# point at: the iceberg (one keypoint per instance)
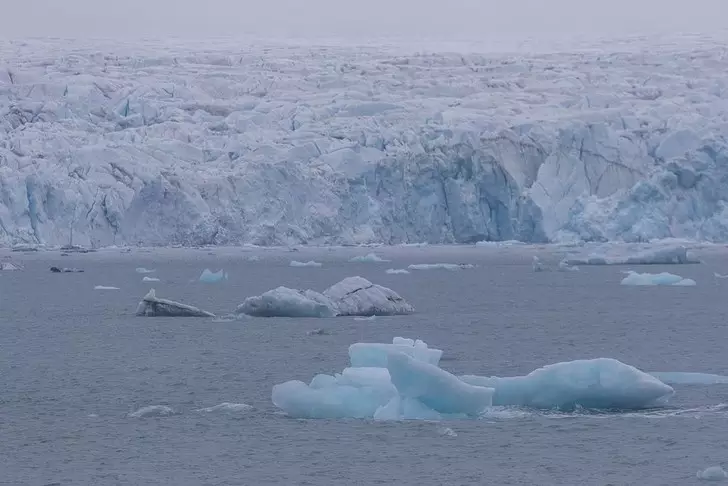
(403, 380)
(368, 258)
(396, 271)
(357, 296)
(664, 278)
(713, 473)
(353, 296)
(309, 263)
(144, 270)
(285, 302)
(440, 266)
(656, 256)
(105, 287)
(151, 306)
(9, 266)
(150, 279)
(212, 277)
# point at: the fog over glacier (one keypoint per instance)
(361, 122)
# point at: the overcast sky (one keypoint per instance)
(356, 19)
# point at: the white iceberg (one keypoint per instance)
(663, 279)
(402, 380)
(310, 263)
(144, 270)
(285, 302)
(396, 271)
(357, 296)
(150, 279)
(105, 287)
(9, 266)
(368, 258)
(213, 277)
(656, 256)
(151, 306)
(713, 473)
(440, 266)
(537, 265)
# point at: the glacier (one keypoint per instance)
(131, 143)
(403, 380)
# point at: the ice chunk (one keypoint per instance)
(655, 256)
(664, 278)
(150, 279)
(104, 287)
(153, 411)
(537, 265)
(713, 473)
(717, 275)
(375, 354)
(565, 267)
(601, 383)
(684, 378)
(368, 258)
(310, 263)
(151, 306)
(65, 270)
(357, 296)
(227, 407)
(213, 277)
(144, 270)
(436, 388)
(285, 302)
(440, 266)
(396, 271)
(10, 266)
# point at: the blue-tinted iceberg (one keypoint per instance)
(402, 380)
(285, 302)
(664, 278)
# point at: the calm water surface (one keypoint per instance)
(74, 362)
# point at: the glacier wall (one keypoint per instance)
(159, 144)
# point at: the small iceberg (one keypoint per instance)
(664, 279)
(151, 306)
(144, 270)
(227, 407)
(369, 258)
(104, 287)
(660, 256)
(440, 266)
(565, 267)
(310, 263)
(10, 267)
(213, 277)
(717, 275)
(396, 271)
(153, 411)
(285, 302)
(353, 296)
(713, 473)
(537, 265)
(65, 270)
(150, 279)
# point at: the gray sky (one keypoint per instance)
(472, 19)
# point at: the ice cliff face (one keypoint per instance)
(218, 144)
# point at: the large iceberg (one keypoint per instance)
(402, 380)
(653, 256)
(353, 296)
(160, 144)
(152, 306)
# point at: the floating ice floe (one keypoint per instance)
(150, 279)
(309, 263)
(440, 266)
(717, 275)
(403, 380)
(663, 279)
(368, 258)
(396, 271)
(658, 256)
(227, 407)
(9, 266)
(65, 270)
(105, 287)
(144, 270)
(153, 411)
(565, 267)
(213, 277)
(353, 296)
(713, 473)
(537, 265)
(151, 306)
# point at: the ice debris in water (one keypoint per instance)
(664, 278)
(309, 263)
(65, 270)
(213, 277)
(713, 473)
(654, 256)
(226, 407)
(353, 296)
(685, 378)
(565, 267)
(150, 279)
(537, 265)
(105, 287)
(251, 258)
(403, 380)
(440, 266)
(717, 275)
(396, 271)
(144, 270)
(368, 258)
(370, 318)
(318, 332)
(9, 266)
(447, 431)
(151, 306)
(153, 411)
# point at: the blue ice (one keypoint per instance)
(212, 277)
(664, 278)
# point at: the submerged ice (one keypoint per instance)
(403, 380)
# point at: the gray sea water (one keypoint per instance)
(74, 362)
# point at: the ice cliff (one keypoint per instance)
(157, 144)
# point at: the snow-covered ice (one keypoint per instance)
(309, 263)
(353, 296)
(653, 256)
(404, 381)
(208, 276)
(663, 278)
(285, 302)
(396, 271)
(440, 266)
(152, 306)
(713, 473)
(368, 258)
(159, 144)
(150, 279)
